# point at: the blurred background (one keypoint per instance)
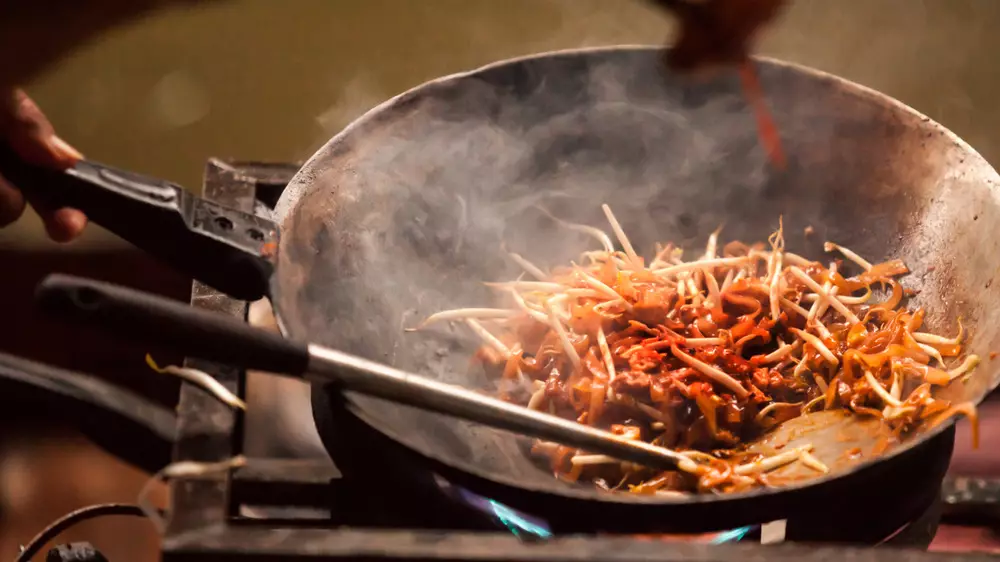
(261, 80)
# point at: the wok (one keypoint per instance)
(405, 211)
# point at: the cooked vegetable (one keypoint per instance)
(702, 356)
(202, 380)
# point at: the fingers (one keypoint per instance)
(718, 32)
(30, 134)
(62, 225)
(11, 203)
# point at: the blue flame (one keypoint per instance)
(527, 527)
(735, 535)
(520, 524)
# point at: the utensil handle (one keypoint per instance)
(220, 246)
(143, 317)
(125, 424)
(382, 381)
(134, 314)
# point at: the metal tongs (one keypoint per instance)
(197, 333)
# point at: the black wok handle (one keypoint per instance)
(222, 247)
(143, 317)
(125, 424)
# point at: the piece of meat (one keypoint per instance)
(635, 383)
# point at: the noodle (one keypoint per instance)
(707, 355)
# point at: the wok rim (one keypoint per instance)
(303, 180)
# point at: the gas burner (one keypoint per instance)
(278, 508)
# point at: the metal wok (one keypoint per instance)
(403, 213)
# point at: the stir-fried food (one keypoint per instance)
(704, 355)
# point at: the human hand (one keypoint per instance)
(25, 129)
(33, 35)
(716, 32)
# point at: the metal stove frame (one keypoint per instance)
(206, 524)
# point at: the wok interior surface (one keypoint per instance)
(406, 212)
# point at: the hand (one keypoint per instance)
(716, 32)
(26, 130)
(33, 35)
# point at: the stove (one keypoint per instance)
(284, 507)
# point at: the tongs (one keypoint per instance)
(218, 338)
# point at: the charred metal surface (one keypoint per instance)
(269, 179)
(284, 482)
(205, 427)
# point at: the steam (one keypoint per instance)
(431, 187)
(479, 34)
(438, 182)
(428, 194)
(356, 97)
(457, 175)
(441, 180)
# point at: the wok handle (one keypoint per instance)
(224, 248)
(125, 424)
(143, 317)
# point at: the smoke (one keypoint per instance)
(408, 213)
(355, 98)
(491, 144)
(439, 182)
(430, 190)
(468, 35)
(447, 178)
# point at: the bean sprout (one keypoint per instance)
(702, 356)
